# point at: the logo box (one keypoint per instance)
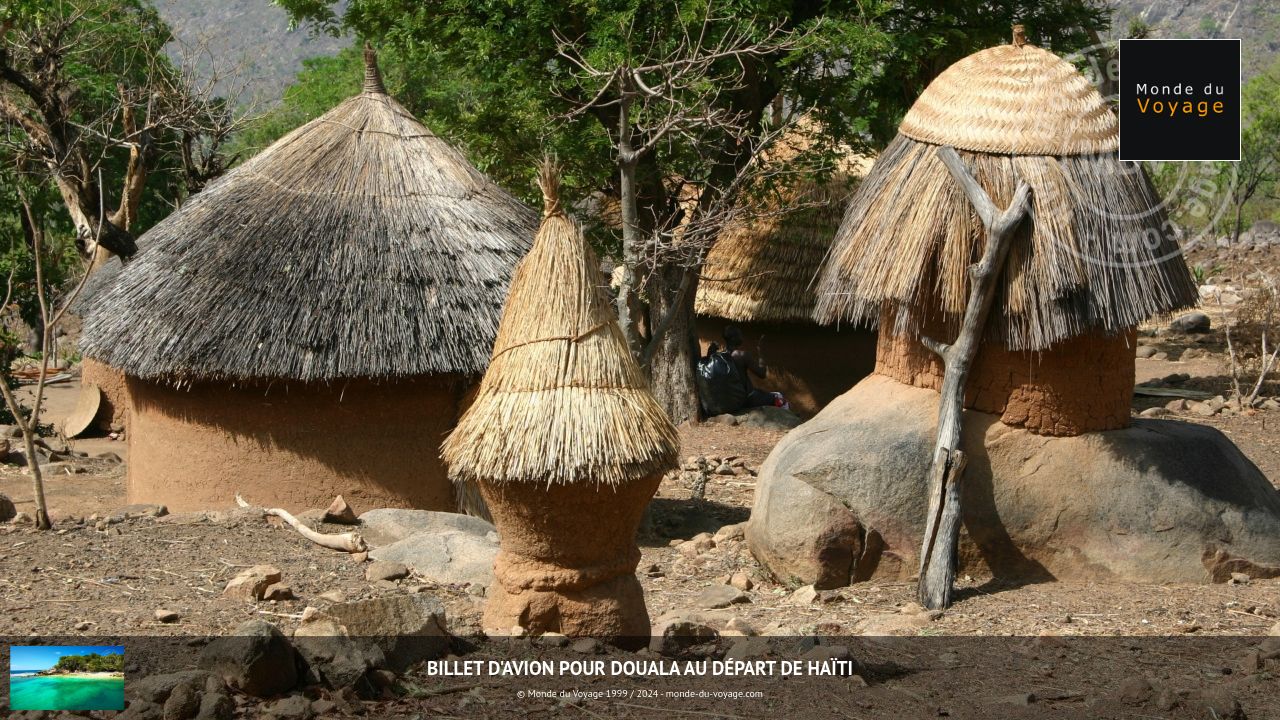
(1180, 99)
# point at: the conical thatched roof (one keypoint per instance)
(1094, 256)
(359, 245)
(563, 400)
(761, 267)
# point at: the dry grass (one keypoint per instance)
(563, 400)
(1082, 263)
(358, 246)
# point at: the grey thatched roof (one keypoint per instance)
(359, 245)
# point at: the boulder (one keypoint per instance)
(340, 513)
(721, 596)
(332, 656)
(446, 557)
(842, 498)
(256, 659)
(407, 628)
(389, 525)
(1191, 323)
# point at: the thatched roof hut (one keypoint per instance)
(349, 273)
(563, 400)
(1094, 257)
(759, 276)
(1093, 260)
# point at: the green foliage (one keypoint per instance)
(93, 662)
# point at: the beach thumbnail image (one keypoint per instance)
(66, 677)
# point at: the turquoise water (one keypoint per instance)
(66, 693)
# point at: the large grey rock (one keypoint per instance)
(256, 658)
(448, 557)
(843, 497)
(332, 656)
(385, 526)
(407, 628)
(1192, 322)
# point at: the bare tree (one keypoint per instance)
(70, 138)
(702, 95)
(49, 319)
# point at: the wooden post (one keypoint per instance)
(942, 526)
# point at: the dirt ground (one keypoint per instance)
(85, 581)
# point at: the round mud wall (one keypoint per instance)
(292, 445)
(1080, 385)
(114, 410)
(810, 364)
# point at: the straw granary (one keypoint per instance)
(566, 444)
(1091, 263)
(759, 276)
(309, 324)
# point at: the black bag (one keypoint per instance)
(721, 387)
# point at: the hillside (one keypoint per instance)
(1256, 22)
(253, 35)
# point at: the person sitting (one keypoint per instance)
(751, 364)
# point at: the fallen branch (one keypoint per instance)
(349, 542)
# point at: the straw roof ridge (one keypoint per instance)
(563, 400)
(1084, 260)
(1013, 99)
(360, 245)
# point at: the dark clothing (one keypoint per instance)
(749, 364)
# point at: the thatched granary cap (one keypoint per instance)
(563, 400)
(360, 245)
(1094, 255)
(1015, 100)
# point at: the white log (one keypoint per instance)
(349, 542)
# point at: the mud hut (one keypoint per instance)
(309, 324)
(564, 428)
(1062, 482)
(759, 276)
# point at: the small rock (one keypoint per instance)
(1160, 356)
(1270, 404)
(721, 596)
(749, 648)
(340, 513)
(1215, 703)
(1193, 353)
(552, 639)
(183, 702)
(294, 707)
(1192, 322)
(806, 595)
(1178, 405)
(1155, 412)
(7, 510)
(696, 545)
(323, 706)
(278, 592)
(1239, 578)
(1274, 631)
(726, 469)
(1135, 690)
(586, 646)
(674, 633)
(738, 627)
(256, 659)
(109, 457)
(1022, 699)
(251, 583)
(82, 625)
(1146, 351)
(167, 616)
(1204, 409)
(385, 570)
(741, 581)
(332, 596)
(730, 532)
(21, 519)
(723, 419)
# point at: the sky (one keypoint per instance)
(43, 657)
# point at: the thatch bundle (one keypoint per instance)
(360, 245)
(1094, 256)
(563, 400)
(761, 267)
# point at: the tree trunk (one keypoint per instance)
(671, 367)
(946, 474)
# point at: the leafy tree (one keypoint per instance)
(490, 75)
